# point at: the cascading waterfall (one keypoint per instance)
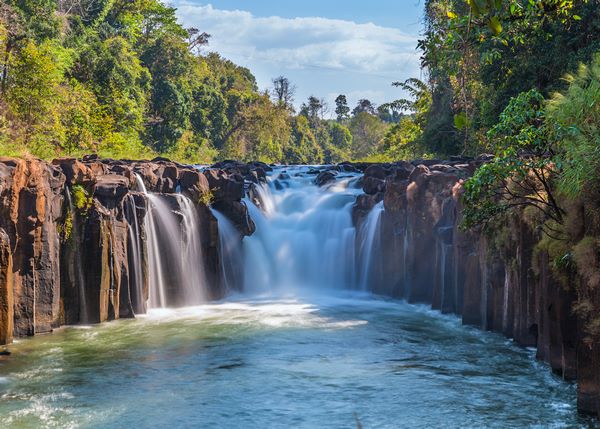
(78, 265)
(192, 262)
(505, 298)
(370, 247)
(405, 273)
(230, 252)
(304, 234)
(176, 274)
(136, 259)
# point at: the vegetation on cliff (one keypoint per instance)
(124, 79)
(521, 80)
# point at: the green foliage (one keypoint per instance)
(207, 198)
(368, 132)
(401, 140)
(82, 201)
(65, 229)
(523, 170)
(576, 114)
(303, 147)
(521, 126)
(124, 79)
(341, 137)
(479, 54)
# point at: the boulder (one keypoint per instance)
(324, 177)
(373, 185)
(224, 186)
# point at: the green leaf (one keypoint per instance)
(576, 17)
(460, 120)
(495, 25)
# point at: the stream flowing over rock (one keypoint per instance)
(93, 240)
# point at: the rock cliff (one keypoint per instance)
(501, 281)
(69, 229)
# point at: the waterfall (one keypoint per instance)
(175, 262)
(78, 265)
(230, 252)
(505, 320)
(442, 274)
(136, 258)
(304, 234)
(370, 247)
(304, 239)
(192, 262)
(405, 272)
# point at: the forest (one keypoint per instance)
(124, 79)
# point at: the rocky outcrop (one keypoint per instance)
(228, 189)
(501, 282)
(31, 209)
(6, 290)
(69, 231)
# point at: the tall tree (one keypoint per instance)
(283, 91)
(341, 108)
(364, 105)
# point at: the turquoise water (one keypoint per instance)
(309, 362)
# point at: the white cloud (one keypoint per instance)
(356, 54)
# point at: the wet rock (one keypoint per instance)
(373, 185)
(237, 213)
(225, 186)
(324, 177)
(378, 171)
(111, 188)
(347, 167)
(194, 184)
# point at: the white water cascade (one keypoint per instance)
(230, 253)
(136, 259)
(78, 265)
(369, 246)
(304, 234)
(175, 263)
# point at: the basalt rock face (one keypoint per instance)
(73, 240)
(30, 210)
(497, 282)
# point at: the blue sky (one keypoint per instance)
(324, 47)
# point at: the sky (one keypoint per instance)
(324, 47)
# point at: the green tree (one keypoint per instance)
(171, 66)
(523, 171)
(33, 89)
(303, 147)
(576, 113)
(119, 80)
(341, 108)
(367, 132)
(401, 140)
